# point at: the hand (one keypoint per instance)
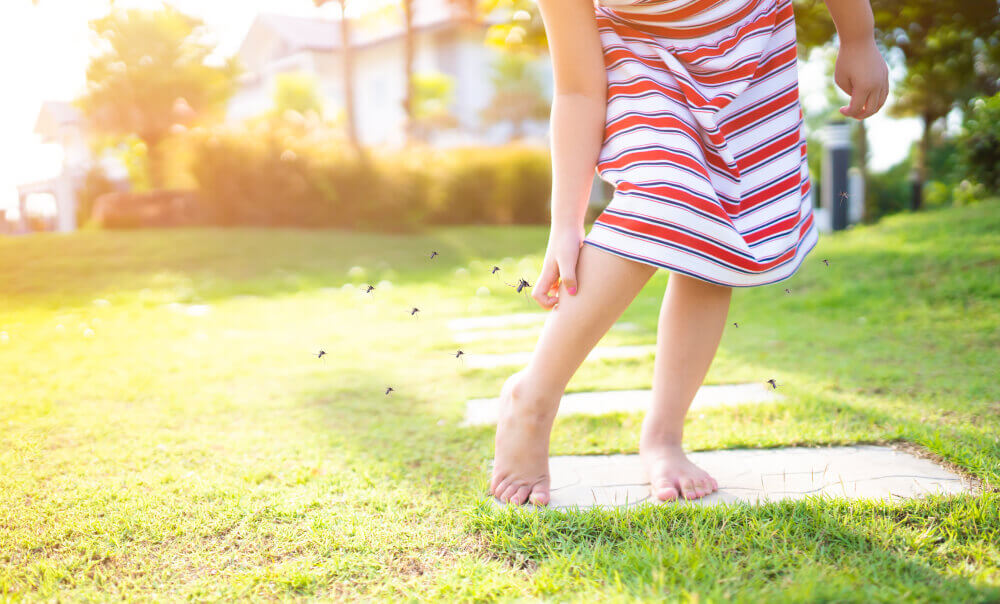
(861, 72)
(559, 266)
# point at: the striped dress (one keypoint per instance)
(703, 139)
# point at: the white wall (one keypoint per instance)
(379, 84)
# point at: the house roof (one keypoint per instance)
(53, 115)
(302, 32)
(305, 33)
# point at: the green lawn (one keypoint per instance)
(173, 452)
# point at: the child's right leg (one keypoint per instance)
(530, 398)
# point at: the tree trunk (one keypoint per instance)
(408, 43)
(348, 68)
(924, 156)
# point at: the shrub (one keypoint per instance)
(889, 191)
(980, 142)
(301, 175)
(161, 208)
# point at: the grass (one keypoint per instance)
(205, 453)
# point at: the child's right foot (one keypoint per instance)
(521, 463)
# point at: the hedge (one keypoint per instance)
(282, 177)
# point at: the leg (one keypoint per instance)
(530, 398)
(692, 318)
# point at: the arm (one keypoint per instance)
(579, 105)
(860, 70)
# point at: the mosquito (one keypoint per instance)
(788, 291)
(369, 288)
(774, 384)
(388, 389)
(320, 354)
(495, 269)
(414, 311)
(521, 284)
(735, 324)
(433, 254)
(459, 353)
(826, 262)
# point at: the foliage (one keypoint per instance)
(523, 32)
(518, 94)
(95, 184)
(501, 185)
(980, 142)
(889, 191)
(297, 92)
(305, 175)
(151, 77)
(433, 94)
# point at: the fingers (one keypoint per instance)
(567, 272)
(546, 281)
(865, 102)
(871, 103)
(883, 96)
(857, 102)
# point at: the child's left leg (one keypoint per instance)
(692, 318)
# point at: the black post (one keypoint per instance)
(836, 161)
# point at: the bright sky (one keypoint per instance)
(46, 48)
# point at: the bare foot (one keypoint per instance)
(521, 463)
(671, 475)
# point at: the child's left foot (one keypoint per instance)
(671, 475)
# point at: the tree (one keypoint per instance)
(151, 77)
(347, 57)
(433, 93)
(523, 33)
(408, 46)
(950, 53)
(517, 95)
(296, 92)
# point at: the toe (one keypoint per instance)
(666, 492)
(539, 494)
(507, 493)
(704, 488)
(687, 488)
(499, 489)
(520, 495)
(495, 483)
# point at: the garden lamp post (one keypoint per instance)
(836, 161)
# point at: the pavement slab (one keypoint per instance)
(756, 476)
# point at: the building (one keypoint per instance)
(62, 124)
(443, 43)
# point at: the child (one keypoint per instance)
(691, 109)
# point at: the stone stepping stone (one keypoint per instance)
(465, 336)
(756, 476)
(481, 411)
(491, 361)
